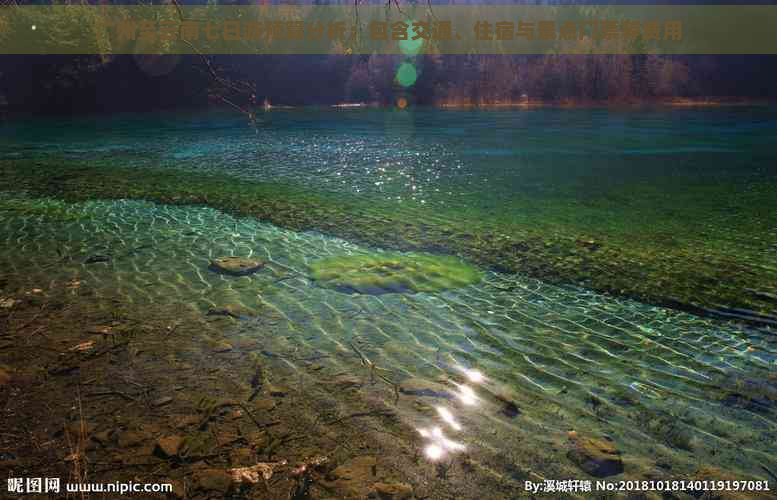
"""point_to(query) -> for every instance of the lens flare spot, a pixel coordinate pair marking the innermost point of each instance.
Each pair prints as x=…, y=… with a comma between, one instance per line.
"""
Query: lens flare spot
x=411, y=47
x=406, y=74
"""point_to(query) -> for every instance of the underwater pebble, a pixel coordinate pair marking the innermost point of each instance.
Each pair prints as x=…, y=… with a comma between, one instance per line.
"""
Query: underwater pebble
x=235, y=266
x=277, y=391
x=399, y=491
x=129, y=439
x=168, y=446
x=5, y=377
x=213, y=480
x=94, y=259
x=596, y=457
x=424, y=388
x=162, y=401
x=264, y=404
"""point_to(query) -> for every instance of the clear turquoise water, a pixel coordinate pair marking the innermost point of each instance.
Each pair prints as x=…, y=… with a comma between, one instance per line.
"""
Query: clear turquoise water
x=432, y=156
x=570, y=358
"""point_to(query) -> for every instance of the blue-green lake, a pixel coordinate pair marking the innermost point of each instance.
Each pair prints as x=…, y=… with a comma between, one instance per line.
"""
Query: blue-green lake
x=514, y=366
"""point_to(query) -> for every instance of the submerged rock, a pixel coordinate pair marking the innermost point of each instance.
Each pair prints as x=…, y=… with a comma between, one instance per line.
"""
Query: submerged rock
x=8, y=302
x=213, y=480
x=95, y=259
x=354, y=479
x=393, y=273
x=5, y=377
x=398, y=491
x=168, y=446
x=596, y=457
x=278, y=391
x=102, y=437
x=424, y=388
x=129, y=439
x=264, y=404
x=161, y=401
x=235, y=266
x=232, y=310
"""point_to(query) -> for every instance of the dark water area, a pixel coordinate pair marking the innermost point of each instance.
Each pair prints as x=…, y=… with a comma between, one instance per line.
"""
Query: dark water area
x=494, y=372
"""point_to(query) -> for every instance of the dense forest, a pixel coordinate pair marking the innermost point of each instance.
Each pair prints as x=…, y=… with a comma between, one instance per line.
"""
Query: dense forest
x=111, y=82
x=87, y=83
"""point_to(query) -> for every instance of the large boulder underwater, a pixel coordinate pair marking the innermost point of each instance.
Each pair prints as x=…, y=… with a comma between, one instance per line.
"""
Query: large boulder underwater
x=381, y=273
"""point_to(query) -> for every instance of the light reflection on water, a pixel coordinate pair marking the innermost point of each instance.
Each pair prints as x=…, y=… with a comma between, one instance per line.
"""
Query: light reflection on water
x=564, y=358
x=425, y=156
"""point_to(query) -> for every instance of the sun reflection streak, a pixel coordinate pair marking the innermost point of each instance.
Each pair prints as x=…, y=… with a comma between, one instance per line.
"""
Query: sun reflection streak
x=439, y=445
x=474, y=376
x=466, y=395
x=434, y=452
x=448, y=417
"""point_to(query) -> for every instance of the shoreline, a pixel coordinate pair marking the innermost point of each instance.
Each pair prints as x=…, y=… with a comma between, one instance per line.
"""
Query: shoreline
x=680, y=103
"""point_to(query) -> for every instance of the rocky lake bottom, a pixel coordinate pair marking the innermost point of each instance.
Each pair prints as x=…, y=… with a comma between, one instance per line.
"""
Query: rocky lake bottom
x=129, y=351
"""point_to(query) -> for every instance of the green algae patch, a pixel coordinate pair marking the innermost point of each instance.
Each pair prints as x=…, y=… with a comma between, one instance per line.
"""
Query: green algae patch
x=672, y=247
x=47, y=209
x=393, y=273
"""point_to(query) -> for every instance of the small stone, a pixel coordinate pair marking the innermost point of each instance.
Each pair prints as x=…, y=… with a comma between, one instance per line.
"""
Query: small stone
x=102, y=437
x=186, y=421
x=266, y=404
x=422, y=407
x=213, y=480
x=94, y=259
x=74, y=429
x=179, y=490
x=597, y=457
x=354, y=479
x=100, y=330
x=162, y=401
x=247, y=344
x=241, y=457
x=510, y=409
x=129, y=439
x=233, y=311
x=5, y=377
x=345, y=382
x=278, y=391
x=258, y=440
x=222, y=346
x=227, y=437
x=424, y=388
x=357, y=468
x=235, y=266
x=7, y=302
x=399, y=491
x=169, y=446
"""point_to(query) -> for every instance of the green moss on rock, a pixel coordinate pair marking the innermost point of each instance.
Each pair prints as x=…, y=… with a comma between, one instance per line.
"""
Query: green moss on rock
x=393, y=273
